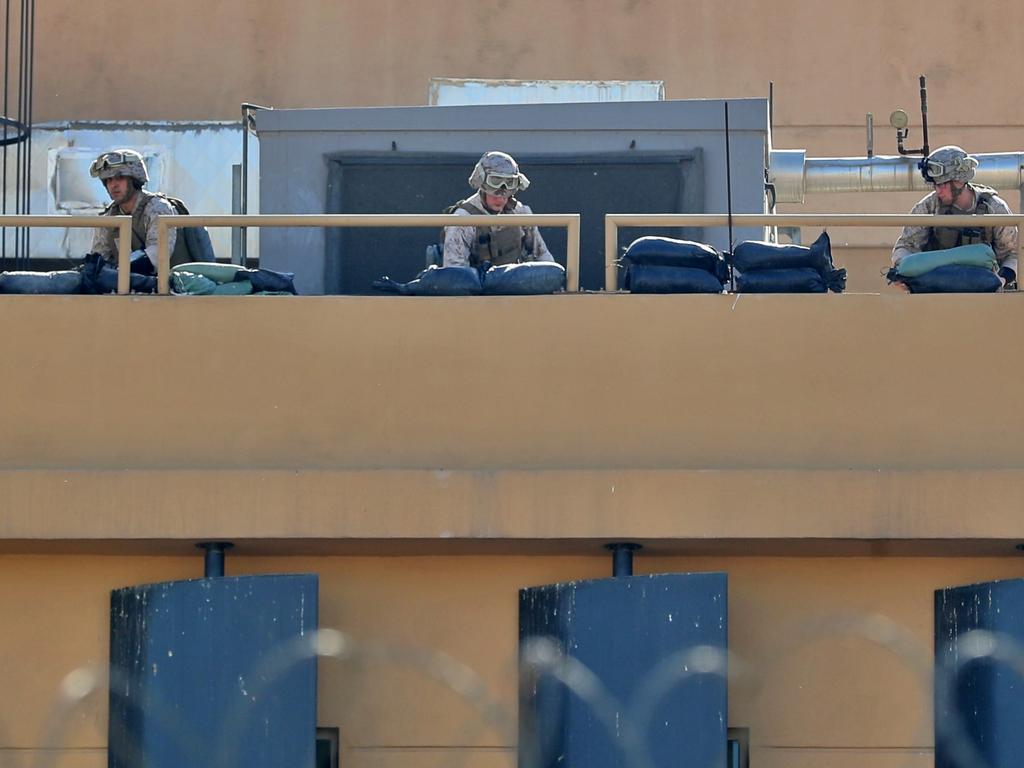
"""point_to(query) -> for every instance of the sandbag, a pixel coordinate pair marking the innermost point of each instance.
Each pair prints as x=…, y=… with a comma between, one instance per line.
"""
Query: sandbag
x=525, y=279
x=752, y=255
x=975, y=255
x=436, y=281
x=59, y=282
x=234, y=288
x=669, y=252
x=219, y=273
x=191, y=284
x=268, y=280
x=952, y=278
x=802, y=280
x=657, y=278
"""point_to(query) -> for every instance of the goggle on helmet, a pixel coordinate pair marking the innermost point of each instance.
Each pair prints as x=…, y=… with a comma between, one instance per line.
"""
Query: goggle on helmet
x=120, y=162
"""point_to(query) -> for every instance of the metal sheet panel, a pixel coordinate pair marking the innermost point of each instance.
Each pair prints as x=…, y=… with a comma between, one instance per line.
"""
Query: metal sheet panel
x=979, y=696
x=642, y=638
x=210, y=673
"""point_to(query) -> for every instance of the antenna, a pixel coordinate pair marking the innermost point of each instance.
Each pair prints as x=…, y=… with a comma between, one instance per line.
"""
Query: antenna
x=728, y=193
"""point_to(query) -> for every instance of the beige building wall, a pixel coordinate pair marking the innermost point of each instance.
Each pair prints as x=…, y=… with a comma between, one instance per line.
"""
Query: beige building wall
x=840, y=457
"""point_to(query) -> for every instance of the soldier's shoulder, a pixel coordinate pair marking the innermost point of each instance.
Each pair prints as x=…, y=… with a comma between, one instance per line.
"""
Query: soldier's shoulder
x=159, y=205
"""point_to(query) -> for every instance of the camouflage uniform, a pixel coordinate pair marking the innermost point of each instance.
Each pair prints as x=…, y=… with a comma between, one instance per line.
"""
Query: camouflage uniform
x=1002, y=239
x=144, y=216
x=465, y=246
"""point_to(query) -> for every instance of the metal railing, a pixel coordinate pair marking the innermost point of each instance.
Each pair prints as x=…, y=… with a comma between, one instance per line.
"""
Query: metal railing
x=613, y=221
x=571, y=221
x=121, y=223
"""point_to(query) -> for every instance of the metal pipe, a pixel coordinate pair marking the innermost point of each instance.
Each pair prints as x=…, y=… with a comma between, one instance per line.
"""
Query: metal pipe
x=622, y=557
x=213, y=557
x=794, y=174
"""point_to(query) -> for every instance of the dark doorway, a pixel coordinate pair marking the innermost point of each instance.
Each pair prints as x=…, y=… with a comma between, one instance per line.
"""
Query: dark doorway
x=592, y=185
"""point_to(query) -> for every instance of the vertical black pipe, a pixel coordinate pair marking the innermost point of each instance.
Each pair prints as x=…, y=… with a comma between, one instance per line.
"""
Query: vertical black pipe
x=30, y=60
x=213, y=558
x=924, y=114
x=728, y=195
x=7, y=67
x=245, y=181
x=622, y=557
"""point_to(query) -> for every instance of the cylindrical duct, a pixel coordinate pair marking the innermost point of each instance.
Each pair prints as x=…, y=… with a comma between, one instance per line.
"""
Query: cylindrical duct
x=622, y=557
x=213, y=558
x=794, y=175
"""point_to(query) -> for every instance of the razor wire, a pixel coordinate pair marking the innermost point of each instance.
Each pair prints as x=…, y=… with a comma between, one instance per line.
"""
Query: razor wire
x=625, y=722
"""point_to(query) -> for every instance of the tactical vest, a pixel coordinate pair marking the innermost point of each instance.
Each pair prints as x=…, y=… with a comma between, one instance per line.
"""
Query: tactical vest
x=941, y=238
x=179, y=255
x=499, y=246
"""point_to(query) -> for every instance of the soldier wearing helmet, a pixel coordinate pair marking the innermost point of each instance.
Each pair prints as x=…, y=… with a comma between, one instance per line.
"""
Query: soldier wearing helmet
x=950, y=170
x=496, y=179
x=123, y=174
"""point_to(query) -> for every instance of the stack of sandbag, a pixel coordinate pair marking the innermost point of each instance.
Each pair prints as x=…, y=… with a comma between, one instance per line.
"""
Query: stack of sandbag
x=762, y=267
x=525, y=279
x=59, y=282
x=667, y=265
x=964, y=269
x=210, y=279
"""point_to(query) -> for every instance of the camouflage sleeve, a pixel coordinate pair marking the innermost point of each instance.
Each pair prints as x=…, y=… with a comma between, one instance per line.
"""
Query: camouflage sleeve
x=536, y=248
x=103, y=243
x=913, y=239
x=458, y=244
x=158, y=207
x=1004, y=239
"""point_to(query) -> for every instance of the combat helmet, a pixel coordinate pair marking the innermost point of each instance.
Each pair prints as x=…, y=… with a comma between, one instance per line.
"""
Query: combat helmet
x=949, y=163
x=120, y=162
x=497, y=173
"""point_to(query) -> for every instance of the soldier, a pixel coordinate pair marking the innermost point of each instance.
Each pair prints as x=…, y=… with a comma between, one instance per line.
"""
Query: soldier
x=950, y=170
x=497, y=179
x=123, y=173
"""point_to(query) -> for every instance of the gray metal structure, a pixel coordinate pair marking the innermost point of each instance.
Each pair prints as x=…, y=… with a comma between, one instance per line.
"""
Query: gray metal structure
x=299, y=147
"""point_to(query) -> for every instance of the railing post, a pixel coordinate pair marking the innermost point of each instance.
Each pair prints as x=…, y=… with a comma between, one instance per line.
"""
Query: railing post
x=611, y=245
x=124, y=255
x=572, y=256
x=163, y=258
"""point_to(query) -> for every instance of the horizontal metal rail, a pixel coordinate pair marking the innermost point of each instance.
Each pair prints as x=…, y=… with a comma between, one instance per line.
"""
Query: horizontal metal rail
x=571, y=221
x=121, y=223
x=613, y=221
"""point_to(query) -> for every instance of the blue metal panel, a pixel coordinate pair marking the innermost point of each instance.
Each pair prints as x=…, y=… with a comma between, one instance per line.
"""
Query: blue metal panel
x=211, y=673
x=981, y=718
x=633, y=633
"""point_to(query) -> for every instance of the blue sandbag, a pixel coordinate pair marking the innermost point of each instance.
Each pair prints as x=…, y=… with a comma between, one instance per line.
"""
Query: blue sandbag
x=657, y=278
x=669, y=252
x=752, y=255
x=525, y=279
x=802, y=280
x=974, y=255
x=952, y=278
x=59, y=282
x=435, y=281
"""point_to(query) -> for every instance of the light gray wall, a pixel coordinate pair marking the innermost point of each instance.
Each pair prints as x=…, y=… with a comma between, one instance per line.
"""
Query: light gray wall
x=294, y=145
